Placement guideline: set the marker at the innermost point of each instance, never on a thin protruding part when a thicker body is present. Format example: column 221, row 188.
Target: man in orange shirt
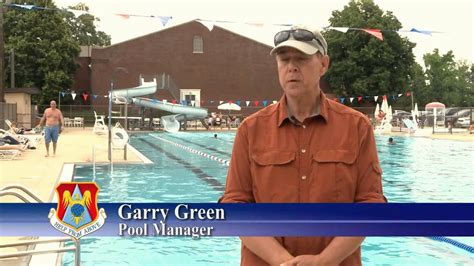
column 305, row 149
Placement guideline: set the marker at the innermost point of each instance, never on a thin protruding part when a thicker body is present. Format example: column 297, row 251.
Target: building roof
column 22, row 90
column 223, row 26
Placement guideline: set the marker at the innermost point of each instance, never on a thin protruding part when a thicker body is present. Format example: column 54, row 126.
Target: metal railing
column 6, row 191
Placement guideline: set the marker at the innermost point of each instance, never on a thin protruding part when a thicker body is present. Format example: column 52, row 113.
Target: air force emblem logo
column 77, row 213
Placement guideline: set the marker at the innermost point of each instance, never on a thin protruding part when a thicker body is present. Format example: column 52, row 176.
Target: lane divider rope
column 454, row 243
column 191, row 150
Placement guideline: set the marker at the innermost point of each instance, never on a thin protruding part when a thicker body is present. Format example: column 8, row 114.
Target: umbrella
column 435, row 105
column 229, row 106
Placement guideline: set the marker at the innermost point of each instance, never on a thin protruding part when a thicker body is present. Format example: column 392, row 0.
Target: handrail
column 36, row 241
column 10, row 193
column 22, row 188
column 77, row 244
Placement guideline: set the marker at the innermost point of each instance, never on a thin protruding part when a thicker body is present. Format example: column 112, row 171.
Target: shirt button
column 303, row 150
column 303, row 177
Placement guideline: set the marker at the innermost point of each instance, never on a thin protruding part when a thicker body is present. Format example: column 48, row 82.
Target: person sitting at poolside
column 6, row 147
column 391, row 141
column 21, row 131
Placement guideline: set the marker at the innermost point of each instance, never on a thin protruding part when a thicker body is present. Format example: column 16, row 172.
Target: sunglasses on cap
column 299, row 35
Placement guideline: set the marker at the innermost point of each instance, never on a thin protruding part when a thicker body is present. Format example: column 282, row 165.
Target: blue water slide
column 183, row 112
column 125, row 95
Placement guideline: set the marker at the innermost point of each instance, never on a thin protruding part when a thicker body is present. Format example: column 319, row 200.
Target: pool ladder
column 7, row 191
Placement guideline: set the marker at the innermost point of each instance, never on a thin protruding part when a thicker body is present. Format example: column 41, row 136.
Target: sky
column 453, row 18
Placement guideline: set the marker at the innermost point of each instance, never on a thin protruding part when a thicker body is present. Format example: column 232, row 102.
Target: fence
column 7, row 111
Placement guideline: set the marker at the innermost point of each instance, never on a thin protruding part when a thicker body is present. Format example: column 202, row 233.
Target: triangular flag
column 193, row 103
column 208, row 24
column 393, row 97
column 351, row 99
column 220, row 102
column 256, row 103
column 237, row 102
column 164, row 19
column 384, row 97
column 399, row 95
column 359, row 98
column 73, row 94
column 342, row 99
column 375, row 32
column 24, row 6
column 341, row 29
column 376, row 97
column 265, row 102
column 427, row 32
column 173, row 101
column 124, row 16
column 94, row 96
column 408, row 93
column 84, row 96
column 165, row 101
column 211, row 102
column 275, row 102
column 247, row 103
column 63, row 93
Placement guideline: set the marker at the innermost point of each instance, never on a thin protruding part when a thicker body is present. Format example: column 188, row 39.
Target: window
column 198, row 45
column 190, row 97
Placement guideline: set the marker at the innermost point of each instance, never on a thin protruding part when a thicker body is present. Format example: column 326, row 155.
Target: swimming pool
column 415, row 170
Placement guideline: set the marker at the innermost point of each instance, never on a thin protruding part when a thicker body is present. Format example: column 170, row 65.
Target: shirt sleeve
column 239, row 178
column 369, row 179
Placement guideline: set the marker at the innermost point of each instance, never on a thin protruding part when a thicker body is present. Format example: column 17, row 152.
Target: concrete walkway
column 39, row 174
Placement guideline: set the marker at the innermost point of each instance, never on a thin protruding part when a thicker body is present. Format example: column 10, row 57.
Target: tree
column 46, row 43
column 83, row 27
column 44, row 50
column 449, row 82
column 360, row 63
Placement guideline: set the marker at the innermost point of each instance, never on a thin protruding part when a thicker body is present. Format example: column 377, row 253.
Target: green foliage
column 83, row 28
column 448, row 81
column 360, row 63
column 46, row 45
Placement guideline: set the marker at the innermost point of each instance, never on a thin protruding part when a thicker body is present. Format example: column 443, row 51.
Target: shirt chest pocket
column 334, row 175
column 273, row 172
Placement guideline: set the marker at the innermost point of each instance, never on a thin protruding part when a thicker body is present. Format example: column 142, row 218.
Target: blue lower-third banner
column 79, row 218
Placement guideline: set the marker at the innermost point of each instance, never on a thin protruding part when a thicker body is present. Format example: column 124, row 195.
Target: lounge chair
column 9, row 154
column 33, row 138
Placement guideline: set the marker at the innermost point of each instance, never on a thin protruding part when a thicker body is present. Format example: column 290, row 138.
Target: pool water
column 415, row 170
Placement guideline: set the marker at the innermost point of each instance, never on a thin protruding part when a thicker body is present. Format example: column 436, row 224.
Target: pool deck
column 39, row 174
column 458, row 134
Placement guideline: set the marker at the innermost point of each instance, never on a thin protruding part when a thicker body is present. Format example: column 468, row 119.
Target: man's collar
column 284, row 113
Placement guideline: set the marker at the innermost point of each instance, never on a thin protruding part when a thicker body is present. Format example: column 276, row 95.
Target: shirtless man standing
column 50, row 119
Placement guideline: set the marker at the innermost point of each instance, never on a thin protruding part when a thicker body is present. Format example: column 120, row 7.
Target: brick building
column 204, row 66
